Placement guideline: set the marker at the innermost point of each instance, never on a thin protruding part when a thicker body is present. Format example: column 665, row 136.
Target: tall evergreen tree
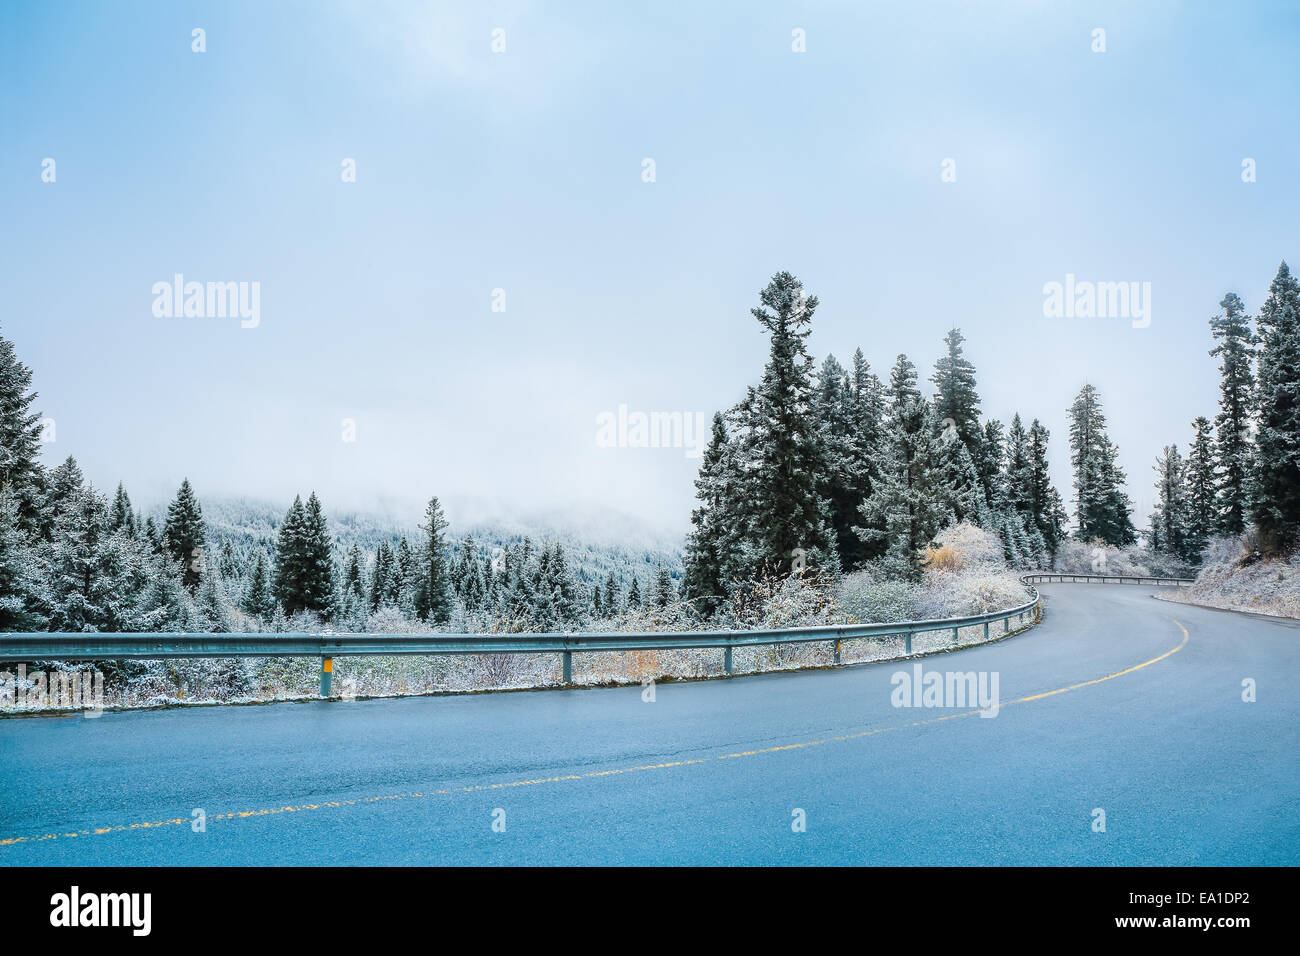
column 353, row 584
column 184, row 535
column 841, row 484
column 714, row 539
column 257, row 600
column 956, row 401
column 152, row 535
column 79, row 584
column 434, row 596
column 867, row 403
column 317, row 582
column 290, row 560
column 381, row 578
column 210, row 604
column 1274, row 492
column 611, row 594
column 407, row 577
column 122, row 516
column 1018, row 474
column 662, row 592
column 906, row 509
column 957, row 405
column 65, row 485
column 990, row 460
column 1233, row 423
column 20, row 575
column 1045, row 503
column 22, row 479
column 1202, row 501
column 1102, row 508
column 789, row 512
column 1169, row 517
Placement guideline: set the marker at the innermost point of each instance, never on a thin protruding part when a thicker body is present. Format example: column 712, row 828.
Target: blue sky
column 522, row 170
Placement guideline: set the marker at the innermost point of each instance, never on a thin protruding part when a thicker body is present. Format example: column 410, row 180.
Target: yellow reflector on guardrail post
column 326, row 675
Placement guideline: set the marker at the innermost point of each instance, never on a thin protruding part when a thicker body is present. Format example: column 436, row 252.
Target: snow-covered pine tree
column 21, row 576
column 166, row 604
column 990, row 462
column 1274, row 490
column 713, row 539
column 841, row 455
column 865, row 397
column 433, row 600
column 65, row 485
column 407, row 578
column 1045, row 503
column 789, row 513
column 1017, row 476
column 662, row 592
column 634, row 594
column 79, row 586
column 957, row 403
column 152, row 535
column 960, row 487
column 353, row 585
column 905, row 510
column 1202, row 501
column 470, row 584
column 1233, row 423
column 289, row 550
column 122, row 516
column 257, row 601
column 184, row 535
column 1169, row 517
column 210, row 603
column 611, row 595
column 379, row 580
column 570, row 599
column 22, row 479
column 1118, row 507
column 317, row 583
column 1102, row 509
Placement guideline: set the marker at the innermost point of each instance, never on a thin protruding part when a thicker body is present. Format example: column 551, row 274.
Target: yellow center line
column 479, row 788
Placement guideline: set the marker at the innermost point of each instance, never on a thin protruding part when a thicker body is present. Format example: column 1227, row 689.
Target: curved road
column 1117, row 701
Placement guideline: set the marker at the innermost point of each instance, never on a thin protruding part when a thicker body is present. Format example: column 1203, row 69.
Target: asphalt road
column 1147, row 724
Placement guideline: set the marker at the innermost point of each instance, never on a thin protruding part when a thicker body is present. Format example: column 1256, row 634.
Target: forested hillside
column 816, row 471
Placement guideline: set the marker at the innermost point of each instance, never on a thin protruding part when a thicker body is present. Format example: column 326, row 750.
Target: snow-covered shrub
column 974, row 590
column 972, row 544
column 781, row 601
column 965, row 573
column 869, row 597
column 1098, row 557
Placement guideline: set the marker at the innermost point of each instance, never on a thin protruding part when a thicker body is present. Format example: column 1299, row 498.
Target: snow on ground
column 1236, row 577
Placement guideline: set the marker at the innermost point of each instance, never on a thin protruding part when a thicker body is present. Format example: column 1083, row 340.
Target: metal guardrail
column 327, row 646
column 118, row 646
column 1049, row 577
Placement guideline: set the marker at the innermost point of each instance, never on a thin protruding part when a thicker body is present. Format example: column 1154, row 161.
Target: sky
column 524, row 170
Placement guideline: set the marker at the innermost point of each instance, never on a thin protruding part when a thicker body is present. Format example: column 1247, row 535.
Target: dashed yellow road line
column 478, row 788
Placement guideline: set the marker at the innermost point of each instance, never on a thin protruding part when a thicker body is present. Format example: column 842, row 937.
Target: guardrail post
column 326, row 675
column 726, row 661
column 568, row 667
column 1006, row 625
column 986, row 630
column 837, row 650
column 956, row 635
column 909, row 642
